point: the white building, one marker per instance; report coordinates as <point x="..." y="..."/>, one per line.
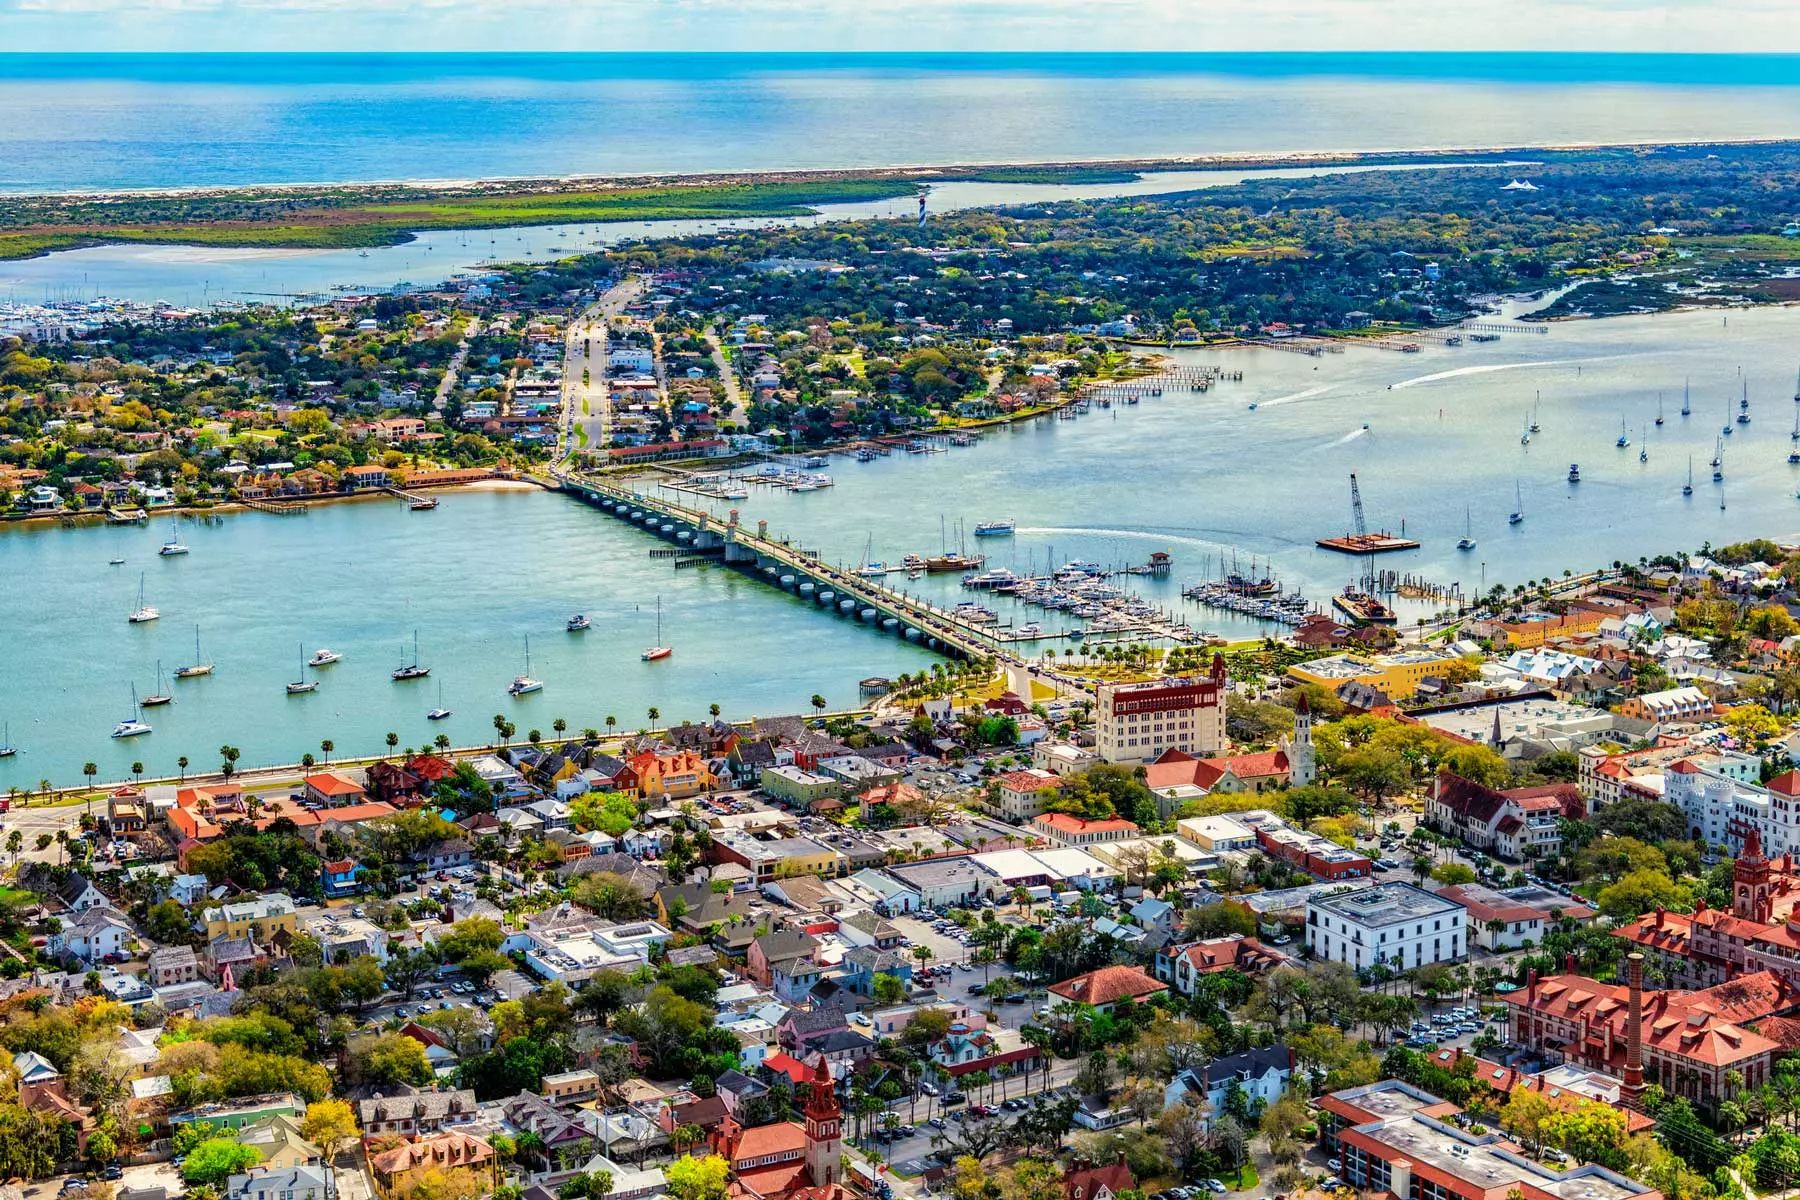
<point x="1138" y="722"/>
<point x="1722" y="809"/>
<point x="1394" y="924"/>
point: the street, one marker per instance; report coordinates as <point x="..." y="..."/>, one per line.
<point x="587" y="413"/>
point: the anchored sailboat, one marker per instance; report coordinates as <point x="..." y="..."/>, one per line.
<point x="143" y="613"/>
<point x="413" y="669"/>
<point x="1686" y="408"/>
<point x="1518" y="513"/>
<point x="199" y="666"/>
<point x="440" y="712"/>
<point x="132" y="726"/>
<point x="1467" y="541"/>
<point x="524" y="685"/>
<point x="658" y="651"/>
<point x="7" y="749"/>
<point x="1687" y="489"/>
<point x="161" y="694"/>
<point x="302" y="685"/>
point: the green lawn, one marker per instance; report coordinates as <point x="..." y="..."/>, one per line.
<point x="1244" y="1180"/>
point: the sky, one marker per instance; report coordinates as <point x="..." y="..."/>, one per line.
<point x="899" y="25"/>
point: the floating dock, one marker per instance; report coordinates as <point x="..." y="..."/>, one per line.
<point x="1367" y="543"/>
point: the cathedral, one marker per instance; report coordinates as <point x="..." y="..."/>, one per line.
<point x="790" y="1160"/>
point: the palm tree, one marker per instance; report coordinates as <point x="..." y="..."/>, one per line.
<point x="393" y="739"/>
<point x="610" y="722"/>
<point x="229" y="755"/>
<point x="90" y="770"/>
<point x="327" y="746"/>
<point x="655" y="714"/>
<point x="137" y="771"/>
<point x="307" y="760"/>
<point x="559" y="725"/>
<point x="182" y="763"/>
<point x="441" y="741"/>
<point x="714" y="710"/>
<point x="818" y="703"/>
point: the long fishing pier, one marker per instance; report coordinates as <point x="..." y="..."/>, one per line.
<point x="699" y="535"/>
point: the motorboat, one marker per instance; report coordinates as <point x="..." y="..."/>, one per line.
<point x="1574" y="472"/>
<point x="577" y="623"/>
<point x="323" y="658"/>
<point x="996" y="528"/>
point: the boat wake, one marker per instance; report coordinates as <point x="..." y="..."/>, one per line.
<point x="1146" y="535"/>
<point x="1308" y="394"/>
<point x="1360" y="431"/>
<point x="1458" y="372"/>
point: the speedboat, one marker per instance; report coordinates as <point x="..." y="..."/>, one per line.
<point x="131" y="727"/>
<point x="996" y="528"/>
<point x="1574" y="472"/>
<point x="323" y="658"/>
<point x="577" y="623"/>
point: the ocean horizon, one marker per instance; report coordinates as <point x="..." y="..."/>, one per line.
<point x="105" y="121"/>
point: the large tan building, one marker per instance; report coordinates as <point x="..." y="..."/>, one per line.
<point x="1139" y="722"/>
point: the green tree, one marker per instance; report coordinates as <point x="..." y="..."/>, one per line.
<point x="213" y="1162"/>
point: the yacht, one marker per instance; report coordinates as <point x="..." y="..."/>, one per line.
<point x="7" y="749"/>
<point x="996" y="528"/>
<point x="1467" y="540"/>
<point x="440" y="712"/>
<point x="1518" y="513"/>
<point x="1624" y="440"/>
<point x="302" y="685"/>
<point x="323" y="658"/>
<point x="143" y="613"/>
<point x="1687" y="489"/>
<point x="161" y="695"/>
<point x="173" y="546"/>
<point x="658" y="652"/>
<point x="414" y="669"/>
<point x="577" y="623"/>
<point x="199" y="666"/>
<point x="523" y="684"/>
<point x="131" y="726"/>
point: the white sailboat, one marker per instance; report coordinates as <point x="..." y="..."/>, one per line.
<point x="524" y="685"/>
<point x="1467" y="541"/>
<point x="1687" y="489"/>
<point x="302" y="685"/>
<point x="200" y="666"/>
<point x="132" y="726"/>
<point x="1686" y="408"/>
<point x="440" y="712"/>
<point x="1518" y="513"/>
<point x="173" y="546"/>
<point x="7" y="749"/>
<point x="414" y="669"/>
<point x="658" y="651"/>
<point x="143" y="613"/>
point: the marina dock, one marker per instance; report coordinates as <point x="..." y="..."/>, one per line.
<point x="1367" y="543"/>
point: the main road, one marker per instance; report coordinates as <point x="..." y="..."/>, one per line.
<point x="587" y="415"/>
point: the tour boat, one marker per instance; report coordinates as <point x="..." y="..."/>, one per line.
<point x="302" y="685"/>
<point x="143" y="613"/>
<point x="422" y="503"/>
<point x="996" y="528"/>
<point x="524" y="684"/>
<point x="131" y="726"/>
<point x="413" y="669"/>
<point x="323" y="658"/>
<point x="658" y="651"/>
<point x="577" y="623"/>
<point x="1467" y="541"/>
<point x="161" y="695"/>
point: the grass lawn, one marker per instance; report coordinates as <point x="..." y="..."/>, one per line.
<point x="1244" y="1180"/>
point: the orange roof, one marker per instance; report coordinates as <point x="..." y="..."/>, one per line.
<point x="358" y="812"/>
<point x="1251" y="766"/>
<point x="1684" y="767"/>
<point x="1787" y="783"/>
<point x="762" y="1141"/>
<point x="191" y="825"/>
<point x="1027" y="781"/>
<point x="1068" y="824"/>
<point x="1670" y="1024"/>
<point x="1108" y="985"/>
<point x="333" y="783"/>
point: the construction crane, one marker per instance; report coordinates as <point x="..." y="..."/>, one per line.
<point x="1356" y="508"/>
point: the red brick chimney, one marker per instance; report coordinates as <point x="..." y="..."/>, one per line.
<point x="1632" y="1088"/>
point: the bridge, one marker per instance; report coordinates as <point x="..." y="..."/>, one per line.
<point x="698" y="535"/>
<point x="1504" y="327"/>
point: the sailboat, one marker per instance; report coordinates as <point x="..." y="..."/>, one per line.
<point x="143" y="613"/>
<point x="1719" y="463"/>
<point x="1687" y="489"/>
<point x="658" y="651"/>
<point x="1537" y="399"/>
<point x="132" y="726"/>
<point x="1643" y="452"/>
<point x="1467" y="541"/>
<point x="1518" y="513"/>
<point x="161" y="695"/>
<point x="440" y="712"/>
<point x="1726" y="428"/>
<point x="1718" y="451"/>
<point x="524" y="685"/>
<point x="1797" y="391"/>
<point x="173" y="546"/>
<point x="7" y="749"/>
<point x="412" y="670"/>
<point x="302" y="685"/>
<point x="1686" y="408"/>
<point x="1623" y="441"/>
<point x="199" y="667"/>
<point x="1659" y="410"/>
<point x="1525" y="438"/>
<point x="1743" y="417"/>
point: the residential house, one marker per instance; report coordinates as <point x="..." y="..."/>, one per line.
<point x="1240" y="1085"/>
<point x="286" y="1183"/>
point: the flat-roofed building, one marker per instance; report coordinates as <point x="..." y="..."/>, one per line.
<point x="1392" y="924"/>
<point x="1139" y="722"/>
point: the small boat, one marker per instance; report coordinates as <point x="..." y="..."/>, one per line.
<point x="7" y="749"/>
<point x="1518" y="513"/>
<point x="323" y="658"/>
<point x="132" y="726"/>
<point x="523" y="684"/>
<point x="1643" y="454"/>
<point x="199" y="666"/>
<point x="1536" y="400"/>
<point x="996" y="528"/>
<point x="1624" y="440"/>
<point x="414" y="669"/>
<point x="143" y="613"/>
<point x="1467" y="541"/>
<point x="302" y="685"/>
<point x="1574" y="472"/>
<point x="115" y="562"/>
<point x="1659" y="410"/>
<point x="577" y="623"/>
<point x="1719" y="465"/>
<point x="173" y="546"/>
<point x="160" y="696"/>
<point x="440" y="712"/>
<point x="817" y="460"/>
<point x="1718" y="451"/>
<point x="1687" y="489"/>
<point x="659" y="651"/>
<point x="421" y="504"/>
<point x="1687" y="409"/>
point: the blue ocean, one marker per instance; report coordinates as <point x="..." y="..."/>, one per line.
<point x="150" y="121"/>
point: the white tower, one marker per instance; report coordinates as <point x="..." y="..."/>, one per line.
<point x="1302" y="764"/>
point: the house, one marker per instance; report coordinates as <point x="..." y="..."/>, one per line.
<point x="417" y="1113"/>
<point x="96" y="934"/>
<point x="863" y="963"/>
<point x="1098" y="1183"/>
<point x="445" y="1150"/>
<point x="778" y="949"/>
<point x="277" y="1138"/>
<point x="234" y="1115"/>
<point x="172" y="964"/>
<point x="286" y="1183"/>
<point x="1184" y="966"/>
<point x="78" y="894"/>
<point x="256" y="917"/>
<point x="332" y="789"/>
<point x="1240" y="1085"/>
<point x="32" y="1067"/>
<point x="339" y="878"/>
<point x="1107" y="987"/>
<point x="438" y="1053"/>
<point x="1018" y="796"/>
<point x="1520" y="826"/>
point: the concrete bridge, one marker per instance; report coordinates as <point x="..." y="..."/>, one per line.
<point x="700" y="535"/>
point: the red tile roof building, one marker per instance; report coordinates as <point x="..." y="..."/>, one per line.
<point x="1108" y="986"/>
<point x="1760" y="933"/>
<point x="1073" y="831"/>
